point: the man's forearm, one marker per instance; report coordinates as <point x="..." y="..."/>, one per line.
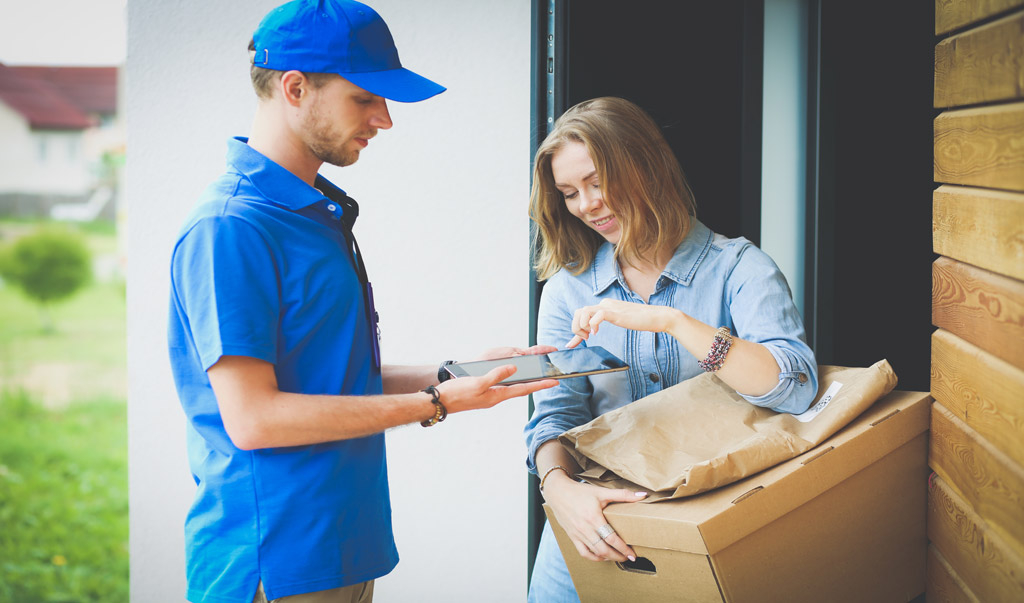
<point x="287" y="419"/>
<point x="257" y="414"/>
<point x="407" y="379"/>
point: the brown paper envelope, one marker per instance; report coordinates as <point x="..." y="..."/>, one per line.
<point x="701" y="434"/>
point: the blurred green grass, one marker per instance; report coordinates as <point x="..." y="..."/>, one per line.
<point x="85" y="356"/>
<point x="63" y="439"/>
<point x="63" y="501"/>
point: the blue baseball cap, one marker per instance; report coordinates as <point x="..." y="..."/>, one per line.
<point x="338" y="36"/>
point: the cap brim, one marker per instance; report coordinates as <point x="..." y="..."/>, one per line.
<point x="399" y="85"/>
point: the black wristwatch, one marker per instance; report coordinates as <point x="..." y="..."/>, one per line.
<point x="442" y="374"/>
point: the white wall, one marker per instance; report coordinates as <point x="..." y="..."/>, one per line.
<point x="63" y="169"/>
<point x="443" y="227"/>
<point x="17" y="151"/>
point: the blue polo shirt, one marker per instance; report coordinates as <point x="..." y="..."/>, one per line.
<point x="260" y="270"/>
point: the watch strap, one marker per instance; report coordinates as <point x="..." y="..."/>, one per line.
<point x="442" y="373"/>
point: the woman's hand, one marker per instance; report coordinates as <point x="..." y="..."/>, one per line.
<point x="628" y="315"/>
<point x="579" y="509"/>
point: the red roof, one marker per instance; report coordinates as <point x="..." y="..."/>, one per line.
<point x="61" y="98"/>
<point x="91" y="89"/>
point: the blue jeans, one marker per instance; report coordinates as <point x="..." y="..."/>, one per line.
<point x="551" y="582"/>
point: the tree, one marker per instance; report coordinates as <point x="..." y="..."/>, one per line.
<point x="48" y="265"/>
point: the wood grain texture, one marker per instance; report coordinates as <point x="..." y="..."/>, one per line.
<point x="983" y="146"/>
<point x="982" y="307"/>
<point x="982" y="227"/>
<point x="943" y="583"/>
<point x="989" y="568"/>
<point x="954" y="14"/>
<point x="981" y="65"/>
<point x="988" y="480"/>
<point x="983" y="391"/>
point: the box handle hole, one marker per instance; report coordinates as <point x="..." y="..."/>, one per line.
<point x="642" y="565"/>
<point x="888" y="416"/>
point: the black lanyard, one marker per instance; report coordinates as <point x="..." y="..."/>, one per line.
<point x="344" y="210"/>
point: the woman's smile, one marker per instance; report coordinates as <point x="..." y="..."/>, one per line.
<point x="577" y="179"/>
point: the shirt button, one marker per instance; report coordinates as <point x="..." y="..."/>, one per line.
<point x="332" y="207"/>
<point x="653" y="377"/>
<point x="802" y="378"/>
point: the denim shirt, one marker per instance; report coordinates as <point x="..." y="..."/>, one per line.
<point x="714" y="279"/>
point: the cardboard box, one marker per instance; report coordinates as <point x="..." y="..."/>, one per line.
<point x="844" y="521"/>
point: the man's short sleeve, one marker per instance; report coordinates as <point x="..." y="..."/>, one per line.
<point x="224" y="276"/>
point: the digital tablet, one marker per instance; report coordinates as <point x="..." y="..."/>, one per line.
<point x="575" y="362"/>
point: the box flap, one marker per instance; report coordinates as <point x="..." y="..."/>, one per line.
<point x="711" y="521"/>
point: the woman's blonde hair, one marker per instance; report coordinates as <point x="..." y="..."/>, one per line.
<point x="641" y="183"/>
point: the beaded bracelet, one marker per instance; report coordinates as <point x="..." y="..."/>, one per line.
<point x="440" y="412"/>
<point x="719" y="348"/>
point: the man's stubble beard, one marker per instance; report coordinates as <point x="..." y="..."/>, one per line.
<point x="322" y="143"/>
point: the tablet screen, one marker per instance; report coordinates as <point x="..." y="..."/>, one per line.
<point x="576" y="362"/>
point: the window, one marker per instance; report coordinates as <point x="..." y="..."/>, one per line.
<point x="41" y="147"/>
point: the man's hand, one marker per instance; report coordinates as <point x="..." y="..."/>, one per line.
<point x="508" y="352"/>
<point x="257" y="414"/>
<point x="471" y="393"/>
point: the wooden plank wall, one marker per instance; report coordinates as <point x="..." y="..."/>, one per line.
<point x="976" y="451"/>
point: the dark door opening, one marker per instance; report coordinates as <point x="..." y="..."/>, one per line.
<point x="697" y="68"/>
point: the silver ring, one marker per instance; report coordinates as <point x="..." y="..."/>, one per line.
<point x="605" y="531"/>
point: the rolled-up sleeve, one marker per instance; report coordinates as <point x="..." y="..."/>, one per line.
<point x="560" y="408"/>
<point x="763" y="312"/>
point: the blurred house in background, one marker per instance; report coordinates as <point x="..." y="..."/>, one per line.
<point x="61" y="142"/>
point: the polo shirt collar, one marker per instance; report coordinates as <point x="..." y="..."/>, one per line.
<point x="275" y="183"/>
<point x="681" y="268"/>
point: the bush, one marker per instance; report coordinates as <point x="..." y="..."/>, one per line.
<point x="49" y="265"/>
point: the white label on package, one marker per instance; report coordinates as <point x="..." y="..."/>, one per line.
<point x="815" y="410"/>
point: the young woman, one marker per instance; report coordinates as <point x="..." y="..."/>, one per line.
<point x="619" y="243"/>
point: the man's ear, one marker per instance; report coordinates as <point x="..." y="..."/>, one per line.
<point x="293" y="86"/>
